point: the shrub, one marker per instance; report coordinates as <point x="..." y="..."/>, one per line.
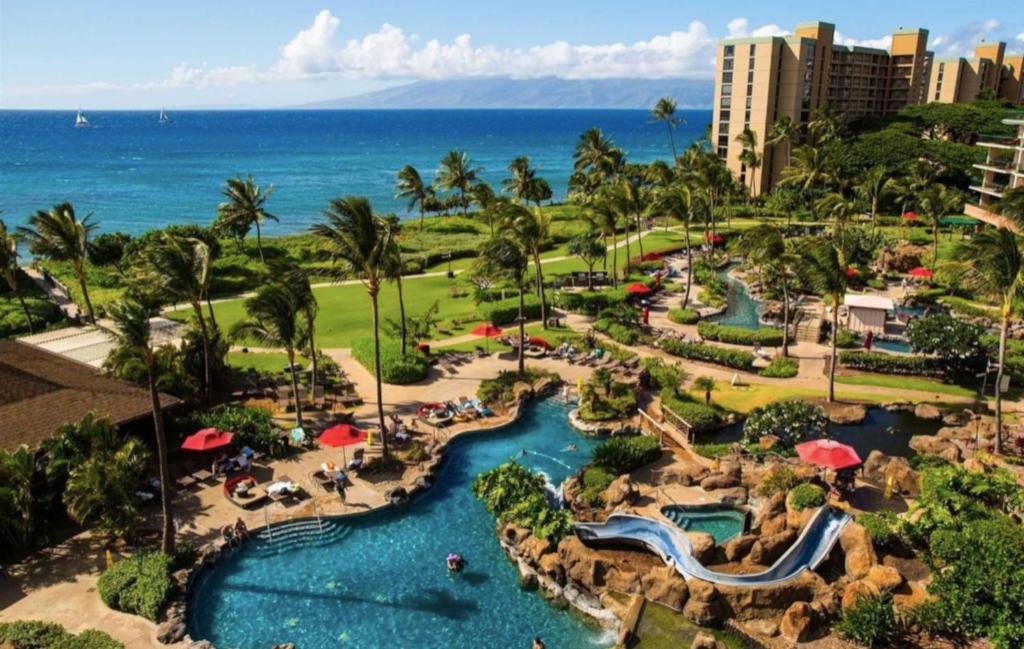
<point x="781" y="367"/>
<point x="253" y="427"/>
<point x="952" y="496"/>
<point x="89" y="639"/>
<point x="595" y="480"/>
<point x="623" y="454"/>
<point x="870" y="622"/>
<point x="957" y="343"/>
<point x="664" y="375"/>
<point x="499" y="389"/>
<point x="790" y="421"/>
<point x="778" y="480"/>
<point x="683" y="316"/>
<point x="514" y="494"/>
<point x="697" y="414"/>
<point x="395" y="368"/>
<point x="32" y="635"/>
<point x="767" y="336"/>
<point x="505" y="312"/>
<point x="847" y="340"/>
<point x="595" y="405"/>
<point x="620" y="333"/>
<point x="713" y="450"/>
<point x="139" y="585"/>
<point x="735" y="358"/>
<point x="881" y="527"/>
<point x="806" y="495"/>
<point x="589" y="302"/>
<point x="902" y="364"/>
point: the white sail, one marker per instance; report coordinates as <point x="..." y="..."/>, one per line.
<point x="164" y="119"/>
<point x="80" y="120"/>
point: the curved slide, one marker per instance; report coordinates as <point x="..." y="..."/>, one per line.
<point x="811" y="548"/>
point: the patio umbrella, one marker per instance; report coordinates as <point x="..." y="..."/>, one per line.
<point x="638" y="289"/>
<point x="342" y="435"/>
<point x="921" y="271"/>
<point x="488" y="331"/>
<point x="715" y="238"/>
<point x="852" y="272"/>
<point x="910" y="216"/>
<point x="539" y="342"/>
<point x="828" y="453"/>
<point x="206" y="439"/>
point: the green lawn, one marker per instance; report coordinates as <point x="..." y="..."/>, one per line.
<point x="906" y="383"/>
<point x="262" y="362"/>
<point x="745" y="398"/>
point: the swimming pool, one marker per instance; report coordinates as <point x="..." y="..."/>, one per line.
<point x="741" y="310"/>
<point x="381" y="581"/>
<point x="719" y="521"/>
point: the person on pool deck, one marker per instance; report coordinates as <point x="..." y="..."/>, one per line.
<point x="241" y="530"/>
<point x="228" y="534"/>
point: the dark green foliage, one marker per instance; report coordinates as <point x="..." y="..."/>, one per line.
<point x="807" y="495"/>
<point x="589" y="302"/>
<point x="713" y="450"/>
<point x="513" y="494"/>
<point x="847" y="340"/>
<point x="499" y="389"/>
<point x="623" y="454"/>
<point x="767" y="336"/>
<point x="882" y="526"/>
<point x="12" y="315"/>
<point x="595" y="480"/>
<point x="955" y="342"/>
<point x="791" y="421"/>
<point x="139" y="585"/>
<point x="108" y="248"/>
<point x="597" y="404"/>
<point x="952" y="496"/>
<point x="664" y="375"/>
<point x="781" y="367"/>
<point x="871" y="622"/>
<point x="697" y="414"/>
<point x="32" y="635"/>
<point x="504" y="312"/>
<point x="683" y="316"/>
<point x="396" y="368"/>
<point x="778" y="480"/>
<point x="622" y="334"/>
<point x="735" y="358"/>
<point x="253" y="427"/>
<point x="90" y="639"/>
<point x="882" y="363"/>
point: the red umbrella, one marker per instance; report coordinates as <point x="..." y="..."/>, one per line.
<point x="921" y="271"/>
<point x="638" y="289"/>
<point x="851" y="271"/>
<point x="910" y="216"/>
<point x="487" y="330"/>
<point x="828" y="453"/>
<point x="206" y="439"/>
<point x="342" y="435"/>
<point x="715" y="238"/>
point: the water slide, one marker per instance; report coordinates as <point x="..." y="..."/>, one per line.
<point x="668" y="541"/>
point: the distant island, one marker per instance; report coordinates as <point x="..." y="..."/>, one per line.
<point x="546" y="92"/>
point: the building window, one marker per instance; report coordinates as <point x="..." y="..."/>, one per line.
<point x="728" y="50"/>
<point x="727" y="77"/>
<point x="750" y="75"/>
<point x="723" y="140"/>
<point x="723" y="115"/>
<point x="749" y="102"/>
<point x="727" y="64"/>
<point x="753" y="48"/>
<point x="726" y="89"/>
<point x="726" y="102"/>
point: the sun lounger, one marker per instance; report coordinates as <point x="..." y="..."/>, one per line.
<point x="324" y="481"/>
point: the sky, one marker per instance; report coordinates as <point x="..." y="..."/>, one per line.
<point x="65" y="54"/>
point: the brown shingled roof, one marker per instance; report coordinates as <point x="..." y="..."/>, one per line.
<point x="40" y="390"/>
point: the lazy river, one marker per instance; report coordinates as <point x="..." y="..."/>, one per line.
<point x="380" y="580"/>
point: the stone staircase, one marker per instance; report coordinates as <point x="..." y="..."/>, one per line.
<point x="298" y="533"/>
<point x="808" y="331"/>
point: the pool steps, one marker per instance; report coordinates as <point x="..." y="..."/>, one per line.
<point x="297" y="534"/>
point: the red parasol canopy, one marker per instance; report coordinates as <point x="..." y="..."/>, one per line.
<point x="921" y="271"/>
<point x="851" y="271"/>
<point x="910" y="216"/>
<point x="206" y="439"/>
<point x="715" y="238"/>
<point x="539" y="342"/>
<point x="342" y="435"/>
<point x="487" y="330"/>
<point x="828" y="453"/>
<point x="638" y="289"/>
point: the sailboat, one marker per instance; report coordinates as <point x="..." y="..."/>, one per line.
<point x="163" y="119"/>
<point x="81" y="121"/>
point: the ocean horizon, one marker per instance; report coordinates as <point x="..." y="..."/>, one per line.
<point x="135" y="174"/>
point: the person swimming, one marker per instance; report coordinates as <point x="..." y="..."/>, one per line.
<point x="456" y="562"/>
<point x="571" y="448"/>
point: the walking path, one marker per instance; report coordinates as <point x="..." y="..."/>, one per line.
<point x="57" y="292"/>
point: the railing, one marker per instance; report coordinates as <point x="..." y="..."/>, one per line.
<point x="266" y="524"/>
<point x="678" y="422"/>
<point x="319" y="521"/>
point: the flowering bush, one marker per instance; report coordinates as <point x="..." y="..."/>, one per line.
<point x="791" y="421"/>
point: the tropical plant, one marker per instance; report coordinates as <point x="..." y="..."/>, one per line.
<point x="9" y="268"/>
<point x="604" y="214"/>
<point x="17" y="519"/>
<point x="139" y="585"/>
<point x="823" y="268"/>
<point x="133" y="336"/>
<point x="531" y="229"/>
<point x="359" y="242"/>
<point x="993" y="265"/>
<point x="588" y="247"/>
<point x="871" y="621"/>
<point x="750" y="156"/>
<point x="515" y="495"/>
<point x="839" y="209"/>
<point x="457" y="173"/>
<point x="704" y="384"/>
<point x="626" y="453"/>
<point x="298" y="280"/>
<point x="938" y="202"/>
<point x="489" y="203"/>
<point x="665" y="112"/>
<point x="806" y="495"/>
<point x="783" y="131"/>
<point x="677" y="202"/>
<point x="873" y="187"/>
<point x="766" y="246"/>
<point x="503" y="257"/>
<point x="826" y="125"/>
<point x="410" y="187"/>
<point x="808" y="171"/>
<point x="1011" y="205"/>
<point x="791" y="422"/>
<point x="58" y="235"/>
<point x="394" y="268"/>
<point x="244" y="208"/>
<point x="596" y="155"/>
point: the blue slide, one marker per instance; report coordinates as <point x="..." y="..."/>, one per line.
<point x="811" y="548"/>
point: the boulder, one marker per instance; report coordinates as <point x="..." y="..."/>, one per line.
<point x="689" y="473"/>
<point x="705" y="641"/>
<point x="796" y="520"/>
<point x="927" y="411"/>
<point x="534" y="548"/>
<point x="859" y="550"/>
<point x="514" y="535"/>
<point x="171" y="632"/>
<point x="857" y="589"/>
<point x="874" y="465"/>
<point x="735" y="496"/>
<point x="664" y="585"/>
<point x="765" y="627"/>
<point x="593" y="570"/>
<point x="767" y="549"/>
<point x="885" y="577"/>
<point x="768" y="601"/>
<point x="738" y="547"/>
<point x="704" y="613"/>
<point x="904" y="478"/>
<point x="933" y="445"/>
<point x="795" y="624"/>
<point x="846" y="414"/>
<point x="622" y="491"/>
<point x="701" y="591"/>
<point x="772" y="507"/>
<point x="954" y="418"/>
<point x="702" y="545"/>
<point x="774" y="525"/>
<point x="720" y="481"/>
<point x="551" y="567"/>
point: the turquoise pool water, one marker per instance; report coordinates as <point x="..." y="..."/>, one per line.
<point x="722" y="523"/>
<point x="381" y="580"/>
<point x="741" y="310"/>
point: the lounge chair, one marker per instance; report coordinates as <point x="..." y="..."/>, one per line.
<point x="320" y="478"/>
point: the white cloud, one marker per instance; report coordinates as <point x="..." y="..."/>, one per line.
<point x="1020" y="37"/>
<point x="740" y="28"/>
<point x="962" y="40"/>
<point x="883" y="42"/>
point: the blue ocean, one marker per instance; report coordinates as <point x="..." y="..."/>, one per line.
<point x="135" y="174"/>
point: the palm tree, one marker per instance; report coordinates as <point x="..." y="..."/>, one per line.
<point x="937" y="202"/>
<point x="588" y="247"/>
<point x="1011" y="205"/>
<point x="58" y="235"/>
<point x="823" y="268"/>
<point x="873" y="187"/>
<point x="179" y="269"/>
<point x="457" y="173"/>
<point x="596" y="154"/>
<point x="665" y="111"/>
<point x="522" y="180"/>
<point x="245" y="207"/>
<point x="826" y="125"/>
<point x="993" y="265"/>
<point x="605" y="214"/>
<point x="783" y="131"/>
<point x="394" y="273"/>
<point x="840" y="209"/>
<point x="133" y="336"/>
<point x="273" y="319"/>
<point x="704" y="384"/>
<point x="750" y="155"/>
<point x="531" y="229"/>
<point x="766" y="246"/>
<point x="676" y="201"/>
<point x="299" y="281"/>
<point x="634" y="197"/>
<point x="411" y="187"/>
<point x="359" y="242"/>
<point x="503" y="256"/>
<point x="9" y="269"/>
<point x="485" y="198"/>
<point x="705" y="172"/>
<point x="17" y="470"/>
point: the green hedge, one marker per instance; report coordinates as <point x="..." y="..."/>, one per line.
<point x="767" y="336"/>
<point x="395" y="368"/>
<point x="903" y="364"/>
<point x="595" y="480"/>
<point x="623" y="454"/>
<point x="620" y="333"/>
<point x="807" y="495"/>
<point x="699" y="415"/>
<point x="589" y="302"/>
<point x="735" y="358"/>
<point x="781" y="367"/>
<point x="504" y="312"/>
<point x="47" y="635"/>
<point x="847" y="340"/>
<point x="685" y="316"/>
<point x="514" y="494"/>
<point x="253" y="427"/>
<point x="139" y="585"/>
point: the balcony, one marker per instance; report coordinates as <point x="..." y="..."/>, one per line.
<point x="998" y="167"/>
<point x="996" y="191"/>
<point x="1006" y="142"/>
<point x="991" y="218"/>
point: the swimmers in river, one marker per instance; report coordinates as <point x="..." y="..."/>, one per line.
<point x="537" y="644"/>
<point x="456" y="562"/>
<point x="523" y="453"/>
<point x="571" y="448"/>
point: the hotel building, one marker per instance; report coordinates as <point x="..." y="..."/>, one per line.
<point x="990" y="70"/>
<point x="1002" y="171"/>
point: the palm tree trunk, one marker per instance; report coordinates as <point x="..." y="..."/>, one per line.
<point x="312" y="359"/>
<point x="639" y="238"/>
<point x="295" y="386"/>
<point x="540" y="288"/>
<point x="522" y="329"/>
<point x="80" y="274"/>
<point x="401" y="311"/>
<point x="689" y="264"/>
<point x="423" y="216"/>
<point x="832" y="362"/>
<point x="615" y="261"/>
<point x="167" y="528"/>
<point x="785" y="319"/>
<point x="205" y="336"/>
<point x="209" y="307"/>
<point x="672" y="141"/>
<point x="259" y="242"/>
<point x="590" y="277"/>
<point x="625" y="268"/>
<point x="376" y="360"/>
<point x="465" y="205"/>
<point x="1004" y="327"/>
<point x="935" y="247"/>
<point x="24" y="307"/>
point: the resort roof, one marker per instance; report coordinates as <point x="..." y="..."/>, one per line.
<point x="40" y="390"/>
<point x="870" y="302"/>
